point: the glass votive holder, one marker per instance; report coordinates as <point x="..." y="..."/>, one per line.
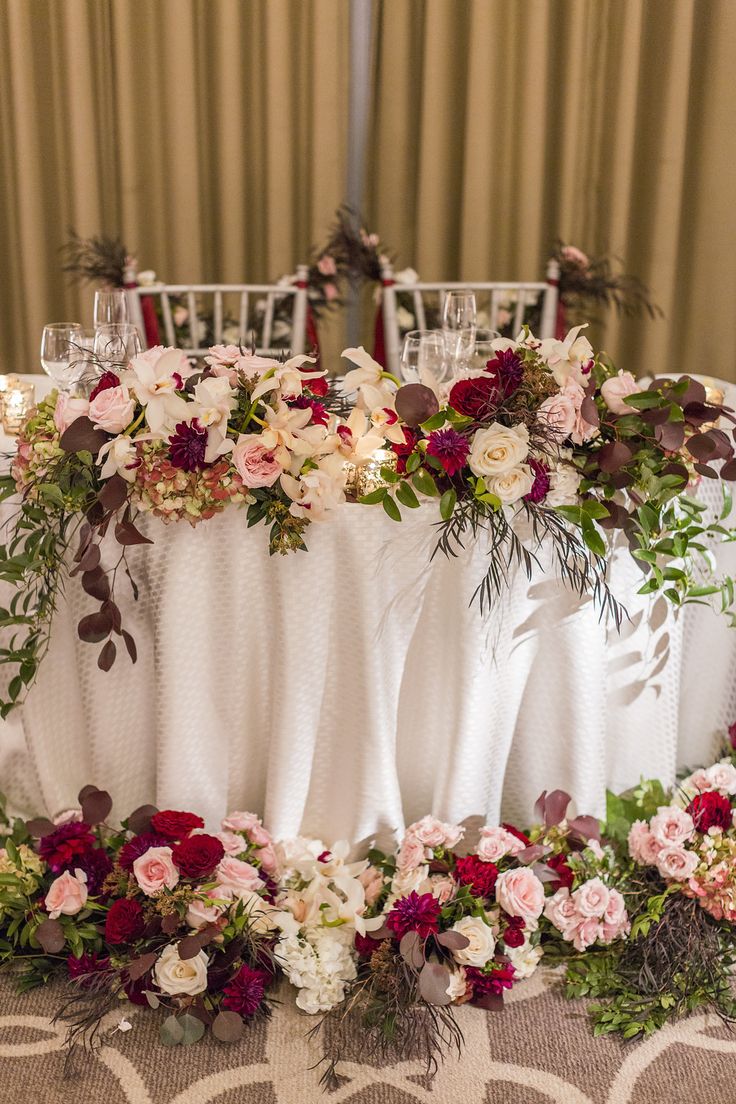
<point x="369" y="476"/>
<point x="17" y="403"/>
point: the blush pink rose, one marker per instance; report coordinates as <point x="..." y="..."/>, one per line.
<point x="199" y="913"/>
<point x="435" y="833"/>
<point x="154" y="870"/>
<point x="616" y="921"/>
<point x="520" y="893"/>
<point x="643" y="847"/>
<point x="722" y="776"/>
<point x="248" y="823"/>
<point x="256" y="465"/>
<point x="676" y="863"/>
<point x="112" y="409"/>
<point x="371" y="880"/>
<point x="560" y="909"/>
<point x="584" y="933"/>
<point x="559" y="414"/>
<point x="238" y="876"/>
<point x="411" y="854"/>
<point x="672" y="827"/>
<point x="591" y="898"/>
<point x="232" y="842"/>
<point x="67" y="410"/>
<point x="67" y="894"/>
<point x="326" y="265"/>
<point x="495" y="842"/>
<point x="442" y="887"/>
<point x="267" y="858"/>
<point x="616" y="390"/>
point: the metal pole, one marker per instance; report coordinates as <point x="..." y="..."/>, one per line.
<point x="359" y="97"/>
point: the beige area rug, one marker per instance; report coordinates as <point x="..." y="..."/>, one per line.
<point x="539" y="1049"/>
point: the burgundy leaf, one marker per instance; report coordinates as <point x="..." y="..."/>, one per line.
<point x="670" y="436"/>
<point x="140" y="966"/>
<point x="589" y="411"/>
<point x="170" y="923"/>
<point x="97" y="584"/>
<point x="139" y="820"/>
<point x="728" y="471"/>
<point x="95" y="627"/>
<point x="433" y="982"/>
<point x="613" y="456"/>
<point x="532" y="853"/>
<point x="95" y="514"/>
<point x="657" y="416"/>
<point x="85" y="792"/>
<point x="50" y="935"/>
<point x="675" y="468"/>
<point x="585" y="828"/>
<point x="96" y="807"/>
<point x="91" y="558"/>
<point x="40" y="826"/>
<point x="114" y="613"/>
<point x="126" y="533"/>
<point x="81" y="436"/>
<point x="85" y="536"/>
<point x="411" y="949"/>
<point x="701" y="446"/>
<point x="704" y="469"/>
<point x="453" y="940"/>
<point x="415" y="403"/>
<point x="114" y="492"/>
<point x="438" y="866"/>
<point x="191" y="945"/>
<point x="106" y="658"/>
<point x="621" y="479"/>
<point x="130" y="645"/>
<point x="551" y="807"/>
<point x="384" y="932"/>
<point x="697" y="412"/>
<point x="228" y="1027"/>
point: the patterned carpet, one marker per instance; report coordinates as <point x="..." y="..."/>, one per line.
<point x="538" y="1050"/>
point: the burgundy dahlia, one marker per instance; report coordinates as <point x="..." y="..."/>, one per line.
<point x="96" y="864"/>
<point x="480" y="877"/>
<point x="507" y="368"/>
<point x="450" y="448"/>
<point x="197" y="856"/>
<point x="104" y="383"/>
<point x="175" y="825"/>
<point x="477" y="398"/>
<point x="415" y="913"/>
<point x="501" y="977"/>
<point x="245" y="992"/>
<point x="124" y="922"/>
<point x="711" y="810"/>
<point x="84" y="968"/>
<point x="540" y="486"/>
<point x="138" y="846"/>
<point x="319" y="410"/>
<point x="188" y="445"/>
<point x="565" y="876"/>
<point x="68" y="842"/>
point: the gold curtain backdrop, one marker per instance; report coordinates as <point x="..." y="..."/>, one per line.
<point x="211" y="135"/>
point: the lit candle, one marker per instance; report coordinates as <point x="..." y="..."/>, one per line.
<point x="17" y="401"/>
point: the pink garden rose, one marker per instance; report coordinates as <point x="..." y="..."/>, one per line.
<point x="371" y="880"/>
<point x="155" y="869"/>
<point x="722" y="776"/>
<point x="326" y="265"/>
<point x="584" y="932"/>
<point x="615" y="921"/>
<point x="67" y="894"/>
<point x="520" y="893"/>
<point x="616" y="390"/>
<point x="560" y="909"/>
<point x="256" y="465"/>
<point x="443" y="887"/>
<point x="232" y="842"/>
<point x="199" y="913"/>
<point x="676" y="863"/>
<point x="250" y="824"/>
<point x="573" y="255"/>
<point x="67" y="410"/>
<point x="591" y="898"/>
<point x="495" y="842"/>
<point x="643" y="847"/>
<point x="410" y="855"/>
<point x="238" y="876"/>
<point x="112" y="409"/>
<point x="559" y="414"/>
<point x="672" y="827"/>
<point x="435" y="833"/>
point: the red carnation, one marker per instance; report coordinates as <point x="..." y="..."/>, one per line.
<point x="318" y="386"/>
<point x="477" y="398"/>
<point x="480" y="877"/>
<point x="711" y="810"/>
<point x="450" y="448"/>
<point x="104" y="383"/>
<point x="404" y="449"/>
<point x="415" y="913"/>
<point x="319" y="410"/>
<point x="197" y="856"/>
<point x="245" y="992"/>
<point x="501" y="977"/>
<point x="365" y="945"/>
<point x="175" y="825"/>
<point x="124" y="922"/>
<point x="138" y="846"/>
<point x="60" y="848"/>
<point x="565" y="876"/>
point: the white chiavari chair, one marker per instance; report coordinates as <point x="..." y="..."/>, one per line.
<point x="496" y="295"/>
<point x="251" y="309"/>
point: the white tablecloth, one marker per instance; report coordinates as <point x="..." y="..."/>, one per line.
<point x="351" y="689"/>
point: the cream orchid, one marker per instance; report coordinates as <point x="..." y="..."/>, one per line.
<point x="356" y="438"/>
<point x="286" y="377"/>
<point x="368" y="373"/>
<point x="155" y="377"/>
<point x="120" y="457"/>
<point x="214" y="401"/>
<point x="569" y="358"/>
<point x="317" y="490"/>
<point x="287" y="433"/>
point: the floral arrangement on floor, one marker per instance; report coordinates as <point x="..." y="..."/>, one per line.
<point x="547" y="446"/>
<point x="201" y="925"/>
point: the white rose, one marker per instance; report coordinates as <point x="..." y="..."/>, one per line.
<point x="722" y="776"/>
<point x="524" y="959"/>
<point x="481" y="943"/>
<point x="512" y="485"/>
<point x="616" y="390"/>
<point x="498" y="449"/>
<point x="457" y="985"/>
<point x="564" y="481"/>
<point x="178" y="977"/>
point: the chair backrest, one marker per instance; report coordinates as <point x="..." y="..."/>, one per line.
<point x="513" y="298"/>
<point x="193" y="317"/>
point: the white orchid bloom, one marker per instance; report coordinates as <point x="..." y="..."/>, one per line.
<point x="214" y="401"/>
<point x="119" y="457"/>
<point x="287" y="433"/>
<point x="369" y="371"/>
<point x="155" y="380"/>
<point x="318" y="490"/>
<point x="287" y="377"/>
<point x="356" y="439"/>
<point x="568" y="358"/>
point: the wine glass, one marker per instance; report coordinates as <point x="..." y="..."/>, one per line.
<point x="483" y="350"/>
<point x="424" y="357"/>
<point x="58" y="344"/>
<point x="459" y="314"/>
<point x="116" y="343"/>
<point x="111" y="307"/>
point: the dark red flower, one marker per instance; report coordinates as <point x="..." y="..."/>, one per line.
<point x="507" y="369"/>
<point x="710" y="810"/>
<point x="319" y="410"/>
<point x="540" y="486"/>
<point x="415" y="913"/>
<point x="732" y="734"/>
<point x="519" y="835"/>
<point x="124" y="922"/>
<point x="60" y="848"/>
<point x="138" y="846"/>
<point x="501" y="977"/>
<point x="135" y="991"/>
<point x="197" y="856"/>
<point x="188" y="445"/>
<point x="83" y="969"/>
<point x="405" y="448"/>
<point x="96" y="864"/>
<point x="480" y="877"/>
<point x="565" y="876"/>
<point x="365" y="945"/>
<point x="245" y="992"/>
<point x="477" y="398"/>
<point x="319" y="386"/>
<point x="513" y="935"/>
<point x="104" y="383"/>
<point x="450" y="448"/>
<point x="175" y="825"/>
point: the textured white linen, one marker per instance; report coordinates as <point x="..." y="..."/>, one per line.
<point x="351" y="689"/>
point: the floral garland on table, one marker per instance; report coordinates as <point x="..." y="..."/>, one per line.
<point x="201" y="925"/>
<point x="546" y="445"/>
